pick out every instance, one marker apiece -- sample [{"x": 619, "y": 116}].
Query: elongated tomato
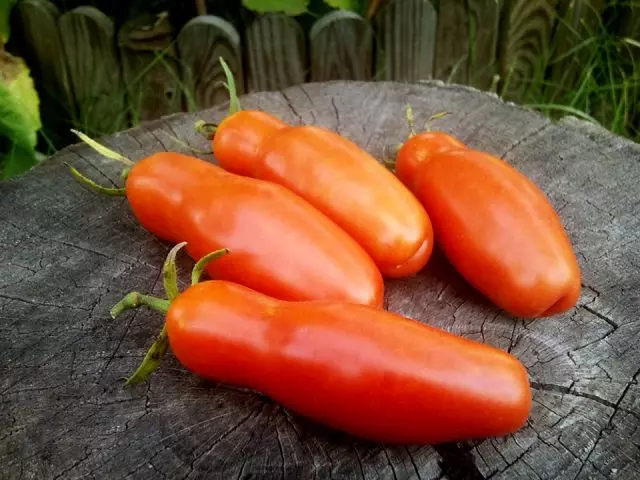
[
  {"x": 337, "y": 177},
  {"x": 358, "y": 369},
  {"x": 495, "y": 226},
  {"x": 281, "y": 244}
]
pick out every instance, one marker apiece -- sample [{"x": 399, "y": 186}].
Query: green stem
[
  {"x": 170, "y": 272},
  {"x": 206, "y": 129},
  {"x": 135, "y": 300},
  {"x": 113, "y": 192},
  {"x": 101, "y": 149},
  {"x": 234, "y": 103},
  {"x": 408, "y": 114},
  {"x": 199, "y": 267},
  {"x": 151, "y": 359}
]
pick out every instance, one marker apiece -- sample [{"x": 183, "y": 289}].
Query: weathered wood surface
[
  {"x": 88, "y": 39},
  {"x": 68, "y": 255},
  {"x": 150, "y": 67},
  {"x": 526, "y": 28},
  {"x": 484, "y": 21},
  {"x": 407, "y": 40},
  {"x": 36, "y": 31},
  {"x": 276, "y": 51},
  {"x": 201, "y": 42},
  {"x": 341, "y": 47},
  {"x": 452, "y": 42}
]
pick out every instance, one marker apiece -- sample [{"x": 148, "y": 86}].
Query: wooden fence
[{"x": 107, "y": 80}]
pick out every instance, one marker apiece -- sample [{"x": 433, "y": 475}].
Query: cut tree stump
[{"x": 68, "y": 255}]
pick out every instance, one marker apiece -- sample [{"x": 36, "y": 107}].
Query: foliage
[
  {"x": 5, "y": 9},
  {"x": 19, "y": 118},
  {"x": 299, "y": 7},
  {"x": 606, "y": 85},
  {"x": 19, "y": 107}
]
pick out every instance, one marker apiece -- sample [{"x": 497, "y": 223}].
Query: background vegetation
[{"x": 603, "y": 86}]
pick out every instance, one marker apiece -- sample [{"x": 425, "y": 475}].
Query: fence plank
[
  {"x": 341, "y": 47},
  {"x": 89, "y": 45},
  {"x": 484, "y": 20},
  {"x": 201, "y": 42},
  {"x": 277, "y": 53},
  {"x": 526, "y": 29},
  {"x": 407, "y": 36},
  {"x": 37, "y": 32},
  {"x": 150, "y": 68},
  {"x": 452, "y": 42}
]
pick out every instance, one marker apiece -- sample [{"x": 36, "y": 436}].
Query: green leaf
[
  {"x": 17, "y": 160},
  {"x": 290, "y": 7},
  {"x": 19, "y": 117},
  {"x": 5, "y": 13},
  {"x": 353, "y": 5}
]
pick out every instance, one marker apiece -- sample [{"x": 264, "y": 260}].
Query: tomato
[
  {"x": 337, "y": 177},
  {"x": 495, "y": 226},
  {"x": 282, "y": 245},
  {"x": 362, "y": 370}
]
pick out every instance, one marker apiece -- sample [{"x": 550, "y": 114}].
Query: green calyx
[
  {"x": 135, "y": 299},
  {"x": 105, "y": 152},
  {"x": 209, "y": 129}
]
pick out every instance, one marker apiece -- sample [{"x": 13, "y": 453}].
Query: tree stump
[{"x": 68, "y": 255}]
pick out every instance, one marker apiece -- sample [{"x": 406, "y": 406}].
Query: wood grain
[
  {"x": 341, "y": 47},
  {"x": 68, "y": 255},
  {"x": 201, "y": 42},
  {"x": 36, "y": 30},
  {"x": 88, "y": 40},
  {"x": 452, "y": 42},
  {"x": 407, "y": 40},
  {"x": 276, "y": 53},
  {"x": 484, "y": 20},
  {"x": 526, "y": 30},
  {"x": 150, "y": 68}
]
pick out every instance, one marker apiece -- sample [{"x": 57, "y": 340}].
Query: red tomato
[
  {"x": 358, "y": 369},
  {"x": 281, "y": 245},
  {"x": 494, "y": 225},
  {"x": 337, "y": 177}
]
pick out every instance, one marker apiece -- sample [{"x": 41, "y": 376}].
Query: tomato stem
[
  {"x": 435, "y": 116},
  {"x": 151, "y": 359},
  {"x": 234, "y": 103},
  {"x": 170, "y": 272},
  {"x": 199, "y": 267},
  {"x": 206, "y": 129},
  {"x": 102, "y": 150},
  {"x": 135, "y": 300},
  {"x": 113, "y": 192},
  {"x": 408, "y": 114}
]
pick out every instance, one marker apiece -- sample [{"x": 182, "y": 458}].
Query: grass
[{"x": 593, "y": 75}]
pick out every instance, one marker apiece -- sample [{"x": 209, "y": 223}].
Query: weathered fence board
[
  {"x": 341, "y": 47},
  {"x": 276, "y": 53},
  {"x": 150, "y": 68},
  {"x": 484, "y": 26},
  {"x": 39, "y": 37},
  {"x": 94, "y": 69},
  {"x": 452, "y": 42},
  {"x": 407, "y": 40},
  {"x": 200, "y": 43},
  {"x": 526, "y": 32}
]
